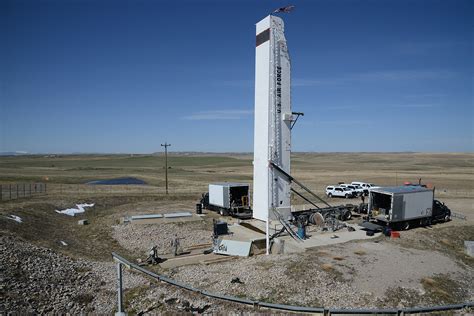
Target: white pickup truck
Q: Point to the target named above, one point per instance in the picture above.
(359, 191)
(365, 186)
(332, 190)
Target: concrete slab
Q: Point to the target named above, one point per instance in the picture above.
(241, 233)
(146, 216)
(177, 214)
(318, 239)
(162, 218)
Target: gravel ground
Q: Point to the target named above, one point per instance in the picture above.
(357, 274)
(375, 273)
(354, 274)
(264, 279)
(37, 280)
(140, 238)
(391, 265)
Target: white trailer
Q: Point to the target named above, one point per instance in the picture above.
(228, 198)
(401, 206)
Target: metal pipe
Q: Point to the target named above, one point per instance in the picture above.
(267, 236)
(119, 290)
(290, 178)
(307, 200)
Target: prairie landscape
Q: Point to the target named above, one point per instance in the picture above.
(50, 253)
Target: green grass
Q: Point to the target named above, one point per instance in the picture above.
(81, 169)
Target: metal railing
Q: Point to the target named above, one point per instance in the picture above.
(256, 304)
(21, 190)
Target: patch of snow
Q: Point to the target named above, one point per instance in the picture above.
(63, 243)
(73, 211)
(15, 218)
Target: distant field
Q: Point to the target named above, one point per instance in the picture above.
(445, 171)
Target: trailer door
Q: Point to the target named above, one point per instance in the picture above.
(398, 208)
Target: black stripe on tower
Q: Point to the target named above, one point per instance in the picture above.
(263, 37)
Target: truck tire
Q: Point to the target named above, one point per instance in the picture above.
(347, 196)
(406, 226)
(447, 218)
(330, 195)
(347, 215)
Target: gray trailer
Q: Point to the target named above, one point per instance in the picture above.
(401, 206)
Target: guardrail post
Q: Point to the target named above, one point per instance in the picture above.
(120, 311)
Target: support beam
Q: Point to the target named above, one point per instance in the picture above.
(291, 179)
(120, 311)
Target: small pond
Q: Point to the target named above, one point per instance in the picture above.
(117, 181)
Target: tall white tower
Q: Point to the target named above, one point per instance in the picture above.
(273, 116)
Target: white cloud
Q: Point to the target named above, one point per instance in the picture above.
(412, 106)
(344, 122)
(422, 48)
(219, 115)
(389, 75)
(403, 75)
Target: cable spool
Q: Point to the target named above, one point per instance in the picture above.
(316, 219)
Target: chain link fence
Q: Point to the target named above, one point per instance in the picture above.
(21, 190)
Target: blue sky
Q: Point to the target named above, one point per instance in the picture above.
(124, 76)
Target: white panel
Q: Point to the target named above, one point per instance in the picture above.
(418, 204)
(216, 195)
(263, 25)
(233, 247)
(261, 129)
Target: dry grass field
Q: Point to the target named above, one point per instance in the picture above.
(452, 174)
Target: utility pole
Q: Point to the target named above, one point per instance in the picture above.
(166, 145)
